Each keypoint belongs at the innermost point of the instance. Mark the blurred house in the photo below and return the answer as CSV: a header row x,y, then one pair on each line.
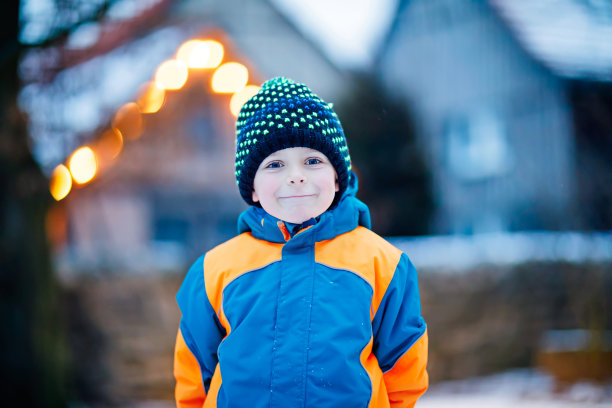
x,y
170,194
488,83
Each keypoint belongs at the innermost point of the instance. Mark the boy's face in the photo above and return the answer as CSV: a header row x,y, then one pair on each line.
x,y
295,184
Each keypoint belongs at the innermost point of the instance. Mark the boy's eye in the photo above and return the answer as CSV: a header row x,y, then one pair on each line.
x,y
274,165
313,160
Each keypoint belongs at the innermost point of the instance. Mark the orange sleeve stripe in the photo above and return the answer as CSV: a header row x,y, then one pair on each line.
x,y
353,251
189,391
213,392
408,378
370,363
237,256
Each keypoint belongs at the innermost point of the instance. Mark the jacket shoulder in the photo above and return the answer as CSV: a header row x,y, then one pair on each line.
x,y
361,251
361,242
366,254
375,242
237,256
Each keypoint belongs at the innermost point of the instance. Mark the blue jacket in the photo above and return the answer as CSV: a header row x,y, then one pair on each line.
x,y
328,317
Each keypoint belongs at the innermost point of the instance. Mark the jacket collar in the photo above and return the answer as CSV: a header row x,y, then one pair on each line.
x,y
345,216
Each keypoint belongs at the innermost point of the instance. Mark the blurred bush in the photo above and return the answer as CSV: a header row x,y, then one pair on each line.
x,y
490,319
122,330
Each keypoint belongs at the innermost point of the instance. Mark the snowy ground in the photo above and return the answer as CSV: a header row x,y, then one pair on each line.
x,y
524,388
464,252
511,389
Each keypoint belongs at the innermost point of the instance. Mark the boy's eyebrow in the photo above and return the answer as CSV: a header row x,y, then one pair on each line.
x,y
318,155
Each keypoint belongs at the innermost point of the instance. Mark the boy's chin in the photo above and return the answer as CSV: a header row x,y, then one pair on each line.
x,y
299,218
296,214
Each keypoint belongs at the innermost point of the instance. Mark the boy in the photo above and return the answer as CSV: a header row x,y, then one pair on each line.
x,y
306,307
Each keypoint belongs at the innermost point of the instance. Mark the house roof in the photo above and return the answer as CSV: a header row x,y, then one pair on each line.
x,y
572,38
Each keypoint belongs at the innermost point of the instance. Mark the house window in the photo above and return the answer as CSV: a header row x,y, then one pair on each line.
x,y
477,147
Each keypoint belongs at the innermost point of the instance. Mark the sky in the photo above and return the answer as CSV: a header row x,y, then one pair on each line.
x,y
348,31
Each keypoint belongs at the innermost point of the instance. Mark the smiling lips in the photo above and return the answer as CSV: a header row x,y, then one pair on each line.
x,y
299,196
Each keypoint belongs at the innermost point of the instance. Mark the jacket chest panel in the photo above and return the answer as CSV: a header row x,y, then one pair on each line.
x,y
298,327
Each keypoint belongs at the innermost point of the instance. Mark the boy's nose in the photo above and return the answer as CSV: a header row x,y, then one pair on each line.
x,y
296,179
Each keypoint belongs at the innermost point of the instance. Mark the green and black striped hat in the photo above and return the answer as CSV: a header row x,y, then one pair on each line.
x,y
286,114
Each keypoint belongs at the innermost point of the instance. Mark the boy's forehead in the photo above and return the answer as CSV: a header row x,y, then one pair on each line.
x,y
302,150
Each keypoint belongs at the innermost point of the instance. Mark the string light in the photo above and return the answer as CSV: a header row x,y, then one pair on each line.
x,y
60,183
128,121
239,98
127,124
151,98
82,165
230,77
201,53
171,74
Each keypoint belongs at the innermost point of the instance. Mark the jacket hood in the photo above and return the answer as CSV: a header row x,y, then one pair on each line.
x,y
345,216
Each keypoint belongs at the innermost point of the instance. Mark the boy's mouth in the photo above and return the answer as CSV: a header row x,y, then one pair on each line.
x,y
299,196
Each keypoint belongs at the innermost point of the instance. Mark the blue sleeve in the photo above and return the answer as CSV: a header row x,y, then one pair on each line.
x,y
398,324
199,325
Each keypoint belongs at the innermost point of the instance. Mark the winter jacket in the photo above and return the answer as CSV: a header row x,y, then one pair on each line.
x,y
329,317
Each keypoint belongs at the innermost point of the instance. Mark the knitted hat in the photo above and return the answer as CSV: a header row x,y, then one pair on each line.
x,y
286,114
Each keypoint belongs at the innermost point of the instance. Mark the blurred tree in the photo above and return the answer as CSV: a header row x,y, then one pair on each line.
x,y
393,178
34,356
32,352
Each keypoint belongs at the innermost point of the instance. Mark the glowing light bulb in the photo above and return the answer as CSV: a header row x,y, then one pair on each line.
x,y
201,54
151,98
239,98
60,183
83,165
230,77
171,74
128,121
109,145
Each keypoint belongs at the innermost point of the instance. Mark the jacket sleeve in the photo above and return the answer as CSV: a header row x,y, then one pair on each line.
x,y
400,338
199,336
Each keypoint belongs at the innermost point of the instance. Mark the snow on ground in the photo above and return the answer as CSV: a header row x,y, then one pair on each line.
x,y
463,252
524,388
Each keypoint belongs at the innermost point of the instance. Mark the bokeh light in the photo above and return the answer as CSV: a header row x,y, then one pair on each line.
x,y
109,145
239,98
60,183
229,78
83,165
151,98
201,53
128,121
171,74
